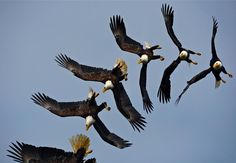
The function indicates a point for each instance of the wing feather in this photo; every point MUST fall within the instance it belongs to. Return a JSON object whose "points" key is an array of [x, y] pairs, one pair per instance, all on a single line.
{"points": [[82, 71], [195, 79], [29, 153], [168, 14], [109, 137], [147, 103], [126, 43], [213, 49], [165, 86], [126, 108], [62, 109]]}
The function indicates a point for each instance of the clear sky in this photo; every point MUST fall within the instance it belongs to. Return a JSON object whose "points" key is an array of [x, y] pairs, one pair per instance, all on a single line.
{"points": [[201, 129]]}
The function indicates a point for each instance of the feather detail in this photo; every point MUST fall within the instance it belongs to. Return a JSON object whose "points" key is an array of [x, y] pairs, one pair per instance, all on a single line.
{"points": [[122, 66], [80, 141]]}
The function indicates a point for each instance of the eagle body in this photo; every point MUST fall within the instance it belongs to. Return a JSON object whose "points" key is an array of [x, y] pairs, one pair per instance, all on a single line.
{"points": [[87, 109], [119, 72], [216, 66]]}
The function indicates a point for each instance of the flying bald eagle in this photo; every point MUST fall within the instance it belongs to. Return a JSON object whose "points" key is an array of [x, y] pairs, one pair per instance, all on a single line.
{"points": [[146, 54], [184, 54], [25, 153], [111, 79], [87, 109], [216, 66]]}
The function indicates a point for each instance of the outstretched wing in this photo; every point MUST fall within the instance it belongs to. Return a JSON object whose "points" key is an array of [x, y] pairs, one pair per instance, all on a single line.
{"points": [[126, 43], [109, 137], [168, 14], [195, 79], [147, 103], [23, 153], [213, 49], [165, 86], [63, 109], [126, 108], [82, 71]]}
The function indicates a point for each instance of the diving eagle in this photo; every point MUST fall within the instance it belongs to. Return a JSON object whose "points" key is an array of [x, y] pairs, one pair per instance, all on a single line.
{"points": [[216, 66], [111, 79], [87, 109], [146, 54], [26, 153], [184, 54]]}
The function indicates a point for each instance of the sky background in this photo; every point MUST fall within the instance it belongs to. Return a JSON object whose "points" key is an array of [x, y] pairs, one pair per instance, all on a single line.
{"points": [[200, 129]]}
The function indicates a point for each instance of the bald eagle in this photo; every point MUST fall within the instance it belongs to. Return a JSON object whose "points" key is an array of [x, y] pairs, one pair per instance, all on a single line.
{"points": [[25, 153], [111, 79], [216, 66], [87, 109], [184, 54], [146, 54]]}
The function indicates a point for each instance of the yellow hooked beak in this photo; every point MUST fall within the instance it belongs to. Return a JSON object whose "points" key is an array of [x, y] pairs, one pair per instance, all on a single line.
{"points": [[104, 89], [139, 61], [87, 127]]}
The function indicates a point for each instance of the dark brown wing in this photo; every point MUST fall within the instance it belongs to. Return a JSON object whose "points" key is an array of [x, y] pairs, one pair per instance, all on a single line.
{"points": [[82, 71], [213, 49], [195, 79], [126, 43], [126, 108], [62, 109], [165, 86], [109, 137], [147, 103], [168, 14], [24, 153]]}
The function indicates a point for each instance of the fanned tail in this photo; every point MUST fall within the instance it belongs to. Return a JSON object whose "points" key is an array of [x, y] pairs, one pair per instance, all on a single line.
{"points": [[218, 83], [80, 141], [120, 63]]}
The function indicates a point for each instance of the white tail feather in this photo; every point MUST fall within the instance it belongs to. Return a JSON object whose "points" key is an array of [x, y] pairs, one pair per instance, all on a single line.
{"points": [[80, 141]]}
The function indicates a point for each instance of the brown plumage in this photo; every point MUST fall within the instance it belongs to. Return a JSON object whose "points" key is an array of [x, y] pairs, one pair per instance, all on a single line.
{"points": [[86, 109], [146, 54], [89, 73], [164, 91], [26, 153], [216, 66], [115, 75]]}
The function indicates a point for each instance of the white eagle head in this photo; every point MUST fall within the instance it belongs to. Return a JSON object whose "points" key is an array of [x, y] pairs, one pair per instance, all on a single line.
{"points": [[88, 122], [108, 85], [183, 54], [217, 65], [143, 59]]}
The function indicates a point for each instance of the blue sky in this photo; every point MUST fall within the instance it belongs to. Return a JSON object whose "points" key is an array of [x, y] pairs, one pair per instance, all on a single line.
{"points": [[200, 129]]}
